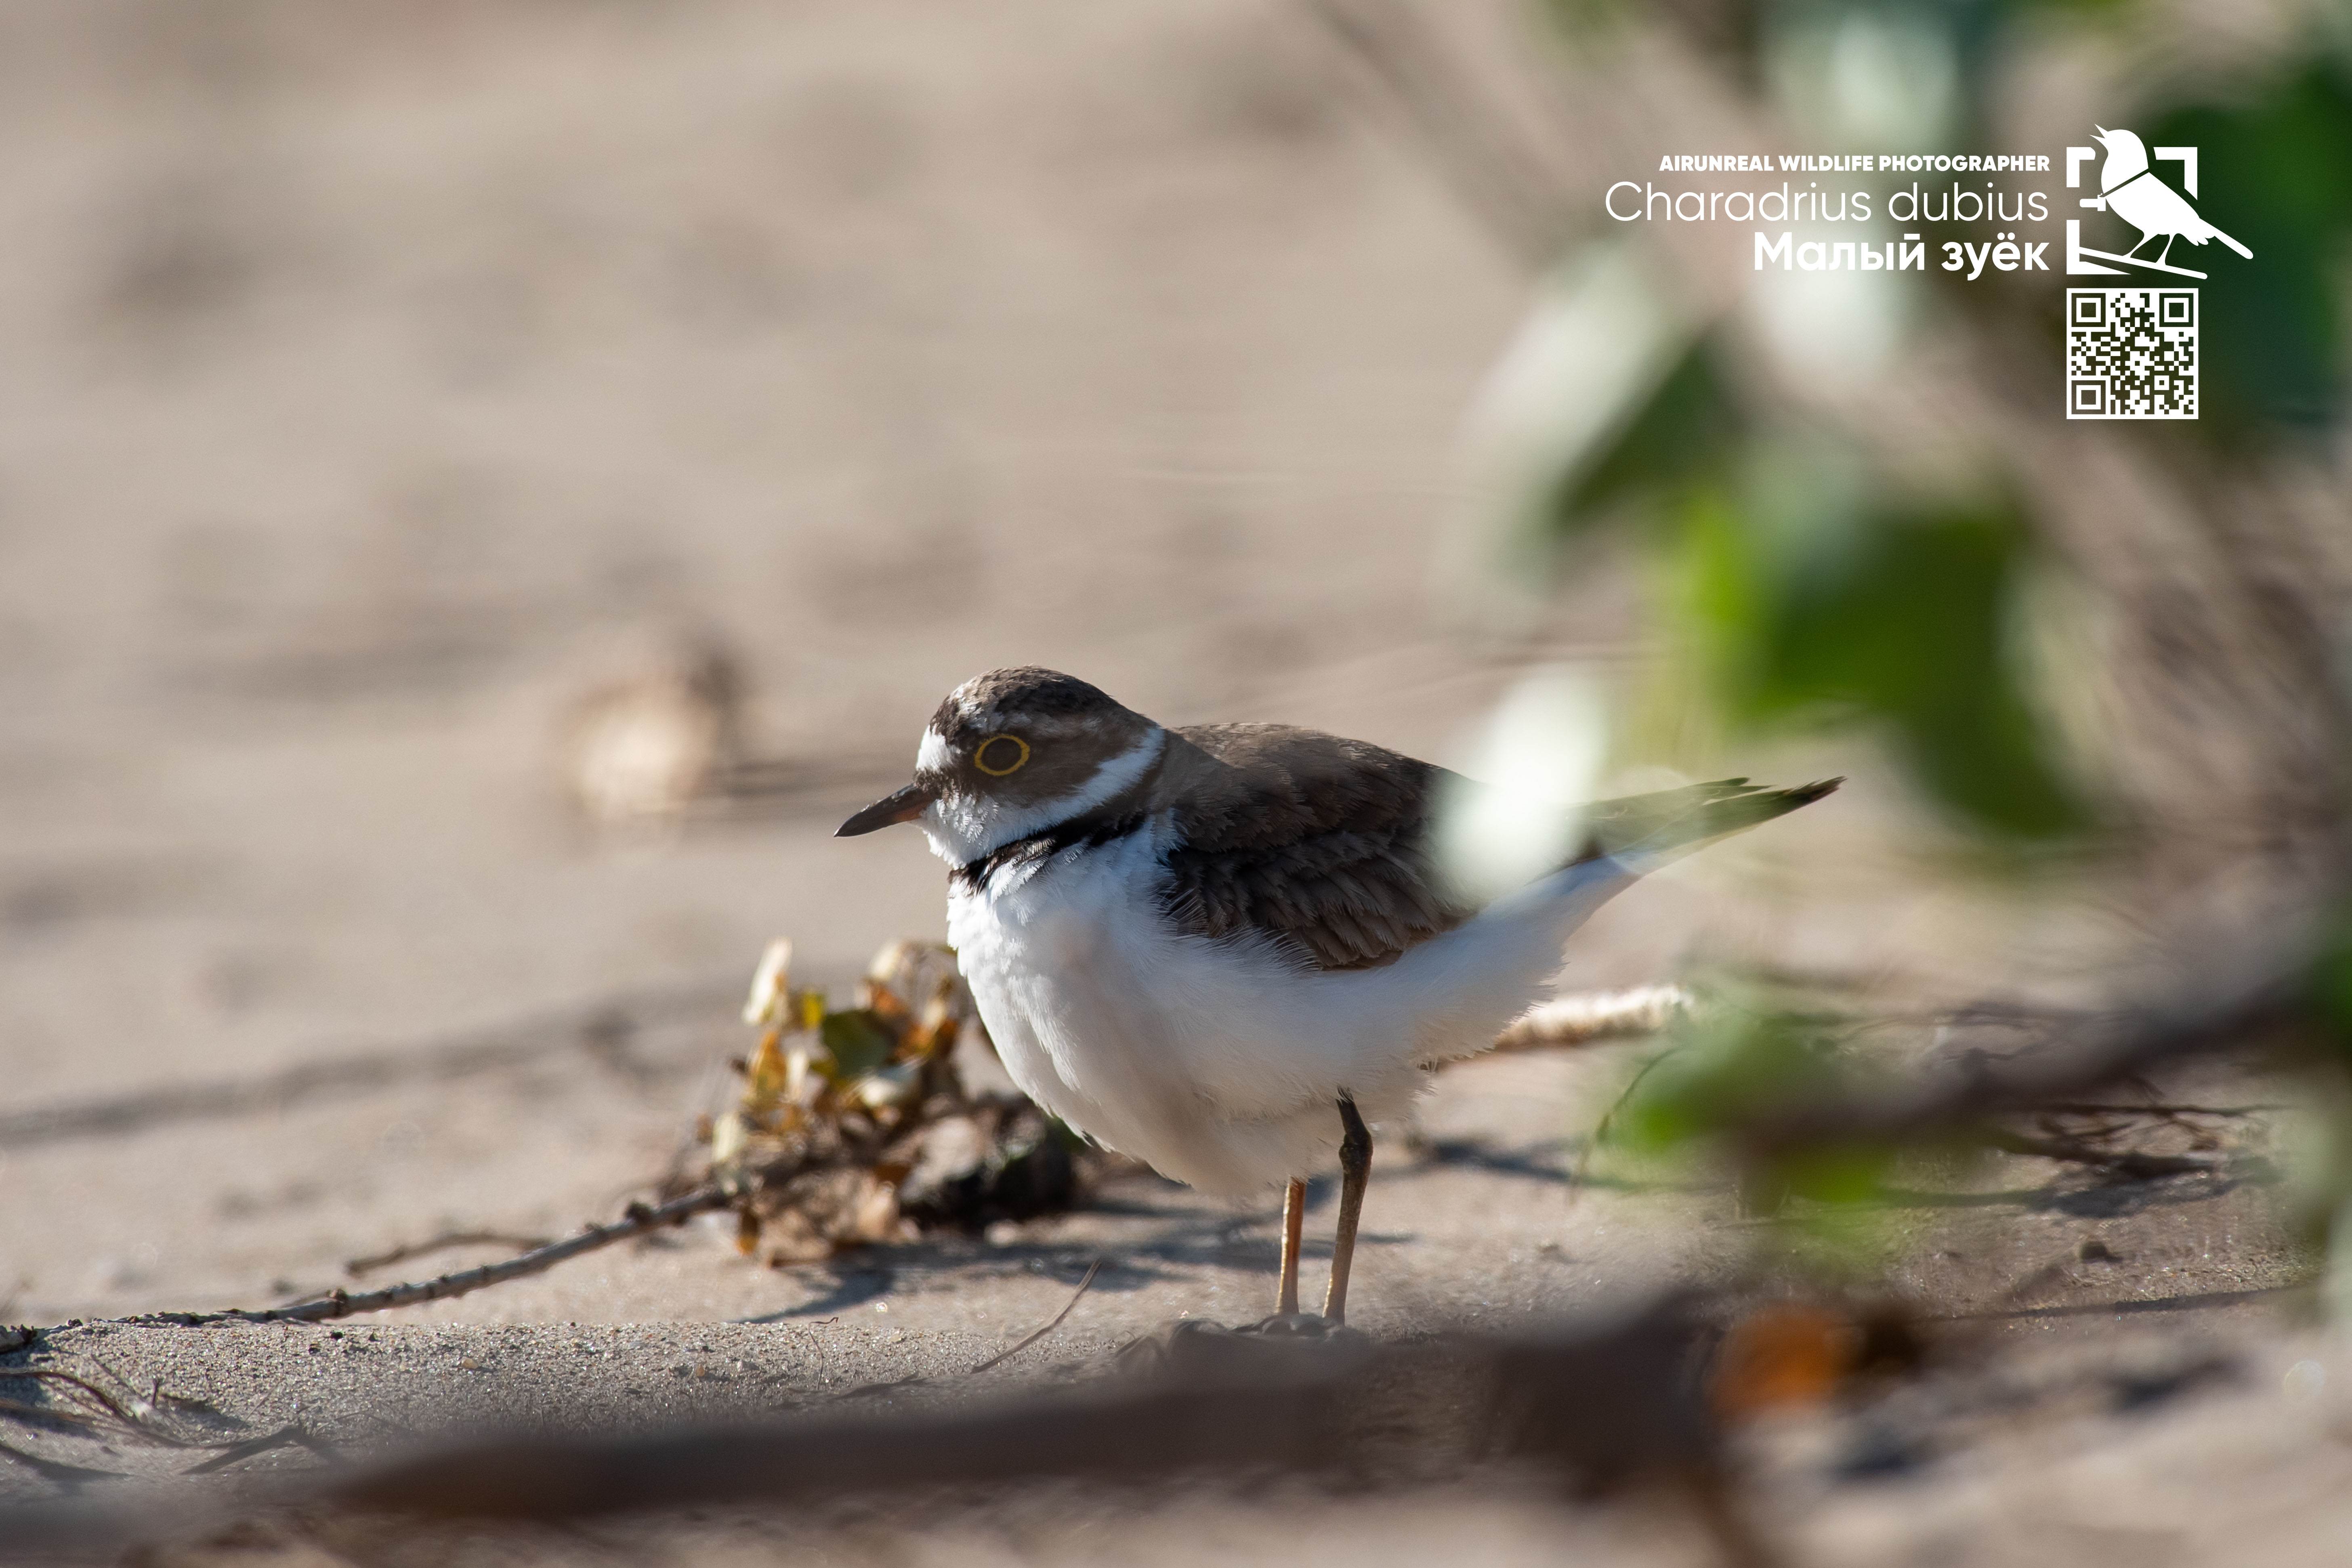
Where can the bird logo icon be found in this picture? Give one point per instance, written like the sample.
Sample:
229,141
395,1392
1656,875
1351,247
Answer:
2130,188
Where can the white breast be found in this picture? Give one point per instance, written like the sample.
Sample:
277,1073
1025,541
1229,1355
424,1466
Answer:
1062,958
1220,1063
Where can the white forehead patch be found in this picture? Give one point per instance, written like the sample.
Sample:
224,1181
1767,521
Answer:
933,755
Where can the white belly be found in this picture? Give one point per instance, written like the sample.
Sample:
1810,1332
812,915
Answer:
1219,1063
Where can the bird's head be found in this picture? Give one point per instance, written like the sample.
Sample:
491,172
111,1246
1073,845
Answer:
2126,153
1010,752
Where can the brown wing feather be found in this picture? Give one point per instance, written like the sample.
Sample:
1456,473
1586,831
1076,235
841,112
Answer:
1690,815
1322,844
1317,842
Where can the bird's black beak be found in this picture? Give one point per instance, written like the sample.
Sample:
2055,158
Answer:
900,805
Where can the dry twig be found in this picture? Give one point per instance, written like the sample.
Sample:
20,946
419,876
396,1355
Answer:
1001,1357
1589,1018
1979,1087
640,1219
98,1410
442,1242
2076,1152
102,1417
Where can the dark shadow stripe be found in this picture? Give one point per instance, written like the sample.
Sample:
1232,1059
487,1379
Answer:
2156,1304
600,1028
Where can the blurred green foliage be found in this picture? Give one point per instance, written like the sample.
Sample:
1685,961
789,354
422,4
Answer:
1725,1066
2275,163
1814,591
1902,612
1722,1065
1799,584
1808,589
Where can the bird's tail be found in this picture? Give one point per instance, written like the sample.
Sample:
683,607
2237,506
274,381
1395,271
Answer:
1648,830
2231,244
1467,983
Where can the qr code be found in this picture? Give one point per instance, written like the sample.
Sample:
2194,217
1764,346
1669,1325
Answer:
2131,353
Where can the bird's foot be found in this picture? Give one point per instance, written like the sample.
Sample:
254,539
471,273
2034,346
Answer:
1287,1342
1297,1326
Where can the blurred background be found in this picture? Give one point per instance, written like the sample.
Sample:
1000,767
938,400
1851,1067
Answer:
485,485
398,404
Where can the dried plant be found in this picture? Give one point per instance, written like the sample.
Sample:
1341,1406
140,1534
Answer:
858,1124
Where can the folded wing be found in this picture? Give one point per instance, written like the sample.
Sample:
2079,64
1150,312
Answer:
1321,845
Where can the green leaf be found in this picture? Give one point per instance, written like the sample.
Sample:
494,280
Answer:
1683,434
1728,1069
1723,1067
2331,978
859,1042
1903,617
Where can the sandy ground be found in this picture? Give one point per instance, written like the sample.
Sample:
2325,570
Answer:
372,388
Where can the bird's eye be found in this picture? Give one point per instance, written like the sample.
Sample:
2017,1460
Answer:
1001,755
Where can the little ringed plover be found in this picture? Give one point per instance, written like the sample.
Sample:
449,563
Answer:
1224,948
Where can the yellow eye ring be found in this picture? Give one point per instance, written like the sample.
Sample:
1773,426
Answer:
979,757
